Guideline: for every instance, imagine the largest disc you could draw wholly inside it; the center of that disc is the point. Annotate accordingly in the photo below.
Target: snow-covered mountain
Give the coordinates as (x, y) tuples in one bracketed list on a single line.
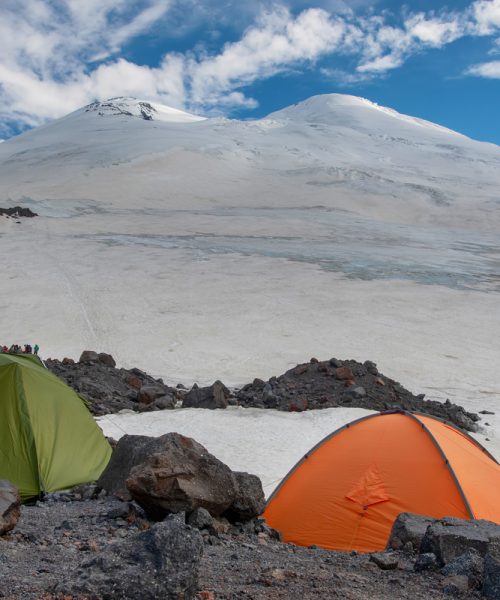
[(149, 111), (335, 150), (214, 248)]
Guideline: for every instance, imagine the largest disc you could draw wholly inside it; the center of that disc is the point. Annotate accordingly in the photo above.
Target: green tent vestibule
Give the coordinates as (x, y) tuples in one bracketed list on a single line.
[(49, 441)]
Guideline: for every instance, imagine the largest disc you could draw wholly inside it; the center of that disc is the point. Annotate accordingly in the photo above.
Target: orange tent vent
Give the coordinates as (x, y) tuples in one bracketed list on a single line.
[(347, 491)]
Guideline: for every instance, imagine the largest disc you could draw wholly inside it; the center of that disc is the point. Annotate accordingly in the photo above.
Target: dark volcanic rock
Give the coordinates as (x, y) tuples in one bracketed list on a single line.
[(387, 561), (131, 450), (334, 382), (163, 402), (173, 473), (181, 476), (470, 565), (17, 211), (214, 396), (106, 359), (491, 574), (249, 501), (149, 393), (408, 527), (425, 562), (312, 385), (10, 506), (159, 564), (200, 518), (108, 389), (66, 544), (89, 357), (450, 538)]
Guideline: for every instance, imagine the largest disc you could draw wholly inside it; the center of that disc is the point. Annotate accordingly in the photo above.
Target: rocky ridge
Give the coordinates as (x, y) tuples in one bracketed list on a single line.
[(107, 389), (313, 385), (17, 211), (331, 383)]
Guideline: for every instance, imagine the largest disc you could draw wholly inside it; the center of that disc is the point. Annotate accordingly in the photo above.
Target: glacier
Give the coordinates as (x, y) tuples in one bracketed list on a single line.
[(201, 248)]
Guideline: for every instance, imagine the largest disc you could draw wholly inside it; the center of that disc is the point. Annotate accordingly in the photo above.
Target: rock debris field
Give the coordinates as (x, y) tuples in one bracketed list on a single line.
[(313, 385), (60, 541), (127, 537)]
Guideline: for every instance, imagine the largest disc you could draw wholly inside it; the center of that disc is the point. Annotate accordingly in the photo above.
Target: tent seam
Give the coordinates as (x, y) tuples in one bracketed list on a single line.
[(446, 462), (27, 424), (460, 431), (314, 448)]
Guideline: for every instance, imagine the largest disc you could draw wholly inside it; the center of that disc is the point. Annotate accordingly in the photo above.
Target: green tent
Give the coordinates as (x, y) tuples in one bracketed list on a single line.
[(49, 441)]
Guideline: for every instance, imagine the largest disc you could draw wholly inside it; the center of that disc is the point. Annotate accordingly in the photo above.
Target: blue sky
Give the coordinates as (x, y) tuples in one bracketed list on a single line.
[(436, 60)]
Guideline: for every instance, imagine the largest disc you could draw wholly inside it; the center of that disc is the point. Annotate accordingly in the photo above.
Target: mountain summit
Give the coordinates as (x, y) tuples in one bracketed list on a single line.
[(132, 107), (333, 108), (334, 150)]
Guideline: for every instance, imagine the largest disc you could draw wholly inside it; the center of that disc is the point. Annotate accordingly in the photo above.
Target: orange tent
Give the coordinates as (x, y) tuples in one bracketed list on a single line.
[(347, 491)]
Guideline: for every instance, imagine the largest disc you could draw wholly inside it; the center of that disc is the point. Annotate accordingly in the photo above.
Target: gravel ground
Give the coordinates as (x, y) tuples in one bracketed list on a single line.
[(54, 537), (258, 569)]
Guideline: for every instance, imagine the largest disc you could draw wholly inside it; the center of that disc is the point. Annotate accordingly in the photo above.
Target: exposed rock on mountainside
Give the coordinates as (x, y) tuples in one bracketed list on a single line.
[(325, 384), (117, 106), (215, 396), (131, 107), (163, 486), (17, 211), (108, 389), (313, 385)]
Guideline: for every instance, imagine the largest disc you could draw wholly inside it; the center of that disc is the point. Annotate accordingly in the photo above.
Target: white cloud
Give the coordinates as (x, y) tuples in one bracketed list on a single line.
[(57, 55), (47, 47), (381, 64), (487, 15), (490, 70), (434, 31), (237, 99), (345, 78), (140, 23), (276, 42), (495, 48)]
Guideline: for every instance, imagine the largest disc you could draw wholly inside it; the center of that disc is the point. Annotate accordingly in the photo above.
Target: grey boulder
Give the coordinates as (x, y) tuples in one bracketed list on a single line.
[(161, 563), (89, 357), (131, 450), (249, 500), (181, 477), (408, 527), (173, 473), (212, 397), (450, 538)]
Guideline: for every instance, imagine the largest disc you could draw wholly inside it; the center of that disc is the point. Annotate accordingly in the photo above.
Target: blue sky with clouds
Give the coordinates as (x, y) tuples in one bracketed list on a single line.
[(432, 59)]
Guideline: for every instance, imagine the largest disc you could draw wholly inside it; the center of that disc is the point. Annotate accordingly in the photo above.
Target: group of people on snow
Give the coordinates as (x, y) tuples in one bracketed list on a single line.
[(16, 349)]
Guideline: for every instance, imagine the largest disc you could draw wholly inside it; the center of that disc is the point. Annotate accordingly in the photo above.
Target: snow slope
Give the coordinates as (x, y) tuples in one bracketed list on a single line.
[(212, 248), (338, 151), (267, 443)]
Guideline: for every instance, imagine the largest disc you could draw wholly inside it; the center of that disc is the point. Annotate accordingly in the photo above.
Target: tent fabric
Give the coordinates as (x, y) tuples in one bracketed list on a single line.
[(347, 491), (48, 439)]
